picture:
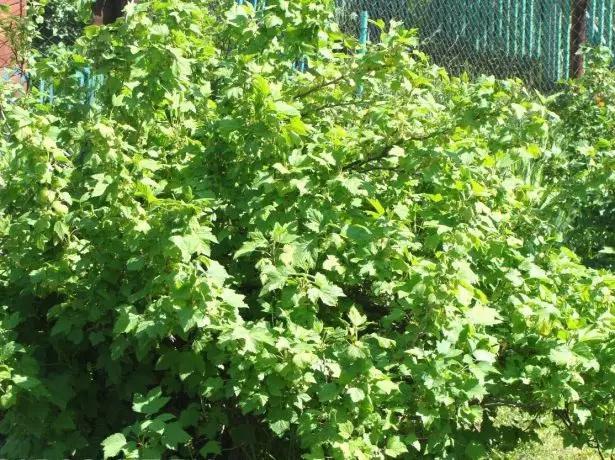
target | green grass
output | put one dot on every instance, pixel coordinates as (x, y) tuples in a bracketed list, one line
[(549, 447)]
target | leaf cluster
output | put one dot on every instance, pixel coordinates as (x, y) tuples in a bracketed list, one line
[(219, 255)]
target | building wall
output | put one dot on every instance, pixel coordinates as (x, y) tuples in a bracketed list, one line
[(16, 8)]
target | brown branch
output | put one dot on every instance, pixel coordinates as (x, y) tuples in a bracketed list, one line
[(343, 104), (379, 168), (320, 86), (599, 449), (530, 407), (377, 157), (366, 69), (384, 153)]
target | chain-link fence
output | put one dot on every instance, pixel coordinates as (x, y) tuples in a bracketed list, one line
[(531, 39)]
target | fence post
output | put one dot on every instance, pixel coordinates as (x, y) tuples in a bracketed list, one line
[(601, 21), (363, 24), (567, 17), (609, 25), (591, 17), (41, 89), (558, 42), (523, 28), (531, 31), (509, 22)]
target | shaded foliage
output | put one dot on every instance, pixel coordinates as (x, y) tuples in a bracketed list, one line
[(222, 256)]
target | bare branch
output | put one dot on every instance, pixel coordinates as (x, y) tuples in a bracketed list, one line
[(320, 86), (385, 152), (343, 104)]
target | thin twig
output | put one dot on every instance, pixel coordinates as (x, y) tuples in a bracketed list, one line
[(599, 449), (379, 168), (343, 104), (384, 153), (320, 86), (531, 407), (377, 157)]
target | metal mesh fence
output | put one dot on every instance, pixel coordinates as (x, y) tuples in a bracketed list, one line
[(530, 39)]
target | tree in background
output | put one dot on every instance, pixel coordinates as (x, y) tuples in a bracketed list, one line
[(58, 21), (578, 36), (108, 11)]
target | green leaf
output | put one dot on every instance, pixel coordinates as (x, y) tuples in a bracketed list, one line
[(5, 372), (113, 445), (475, 450), (217, 273), (273, 279), (61, 230), (328, 392), (356, 318), (395, 447), (261, 85), (26, 382), (562, 356), (174, 435), (483, 316), (248, 247), (345, 429), (484, 355), (272, 21), (135, 263), (233, 299), (326, 291), (127, 320), (356, 351), (159, 29), (279, 427), (514, 276), (286, 109), (412, 440), (582, 414), (212, 447), (356, 394), (377, 206), (188, 245), (151, 403), (386, 386), (332, 264), (304, 359)]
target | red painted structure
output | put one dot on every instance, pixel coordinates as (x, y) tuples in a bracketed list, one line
[(8, 58)]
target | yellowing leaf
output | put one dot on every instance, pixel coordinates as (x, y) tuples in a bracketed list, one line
[(356, 394), (286, 109), (562, 356), (113, 445), (483, 316), (377, 206), (355, 317), (484, 355)]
